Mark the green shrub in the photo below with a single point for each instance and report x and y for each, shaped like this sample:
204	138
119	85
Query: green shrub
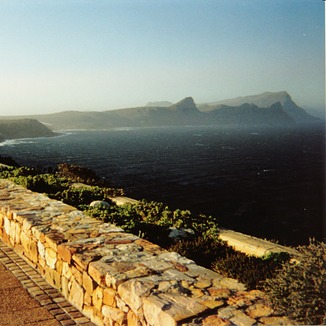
76	173
203	250
299	288
159	214
249	270
79	197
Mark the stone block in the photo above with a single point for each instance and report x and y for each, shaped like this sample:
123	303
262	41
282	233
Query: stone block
276	321
232	284
82	260
59	266
98	298
259	310
77	274
98	320
30	247
133	291
203	283
53	239
240	318
219	293
168	309
76	295
17	233
52	277
109	297
214	320
65	287
41	249
87	299
149	246
89	312
27	225
50	257
119	272
211	304
66	270
38	232
132	319
19	249
6	225
12	232
65	252
88	283
114	314
97	270
41	262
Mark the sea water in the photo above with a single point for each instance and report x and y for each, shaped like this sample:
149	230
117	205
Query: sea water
268	183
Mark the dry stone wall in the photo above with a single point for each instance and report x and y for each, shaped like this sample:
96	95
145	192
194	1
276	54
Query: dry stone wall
116	278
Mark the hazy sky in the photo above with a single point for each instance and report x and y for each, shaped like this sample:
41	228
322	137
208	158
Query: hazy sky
58	55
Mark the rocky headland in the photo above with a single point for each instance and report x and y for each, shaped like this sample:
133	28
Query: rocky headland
23	128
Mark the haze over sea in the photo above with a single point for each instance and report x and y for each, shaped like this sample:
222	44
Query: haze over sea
267	183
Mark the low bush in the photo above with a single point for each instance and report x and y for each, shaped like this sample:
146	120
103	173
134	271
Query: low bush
218	256
203	250
250	270
298	290
152	220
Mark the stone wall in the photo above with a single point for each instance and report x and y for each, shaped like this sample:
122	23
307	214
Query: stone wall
116	278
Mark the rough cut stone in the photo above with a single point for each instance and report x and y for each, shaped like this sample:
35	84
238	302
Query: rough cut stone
98	298
219	292
76	295
50	257
109	297
133	291
41	249
215	321
240	318
167	309
88	283
97	270
65	252
259	310
276	321
114	314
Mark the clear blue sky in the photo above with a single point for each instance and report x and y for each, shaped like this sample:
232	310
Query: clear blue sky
58	55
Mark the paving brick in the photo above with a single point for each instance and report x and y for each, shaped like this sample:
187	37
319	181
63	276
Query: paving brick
32	296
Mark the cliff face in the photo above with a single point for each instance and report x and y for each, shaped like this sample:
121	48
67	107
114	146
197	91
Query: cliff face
265	100
23	128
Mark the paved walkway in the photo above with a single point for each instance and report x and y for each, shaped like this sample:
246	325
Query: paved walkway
27	299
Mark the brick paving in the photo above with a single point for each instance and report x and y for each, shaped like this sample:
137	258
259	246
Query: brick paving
27	299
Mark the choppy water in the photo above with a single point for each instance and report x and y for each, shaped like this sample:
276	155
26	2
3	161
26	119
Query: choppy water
268	184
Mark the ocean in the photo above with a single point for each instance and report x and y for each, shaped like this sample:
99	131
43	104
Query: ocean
267	183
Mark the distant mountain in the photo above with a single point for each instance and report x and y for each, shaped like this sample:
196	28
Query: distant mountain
186	105
247	115
263	110
265	100
163	104
23	128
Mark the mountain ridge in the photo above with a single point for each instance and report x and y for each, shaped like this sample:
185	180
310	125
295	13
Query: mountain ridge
264	100
237	113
